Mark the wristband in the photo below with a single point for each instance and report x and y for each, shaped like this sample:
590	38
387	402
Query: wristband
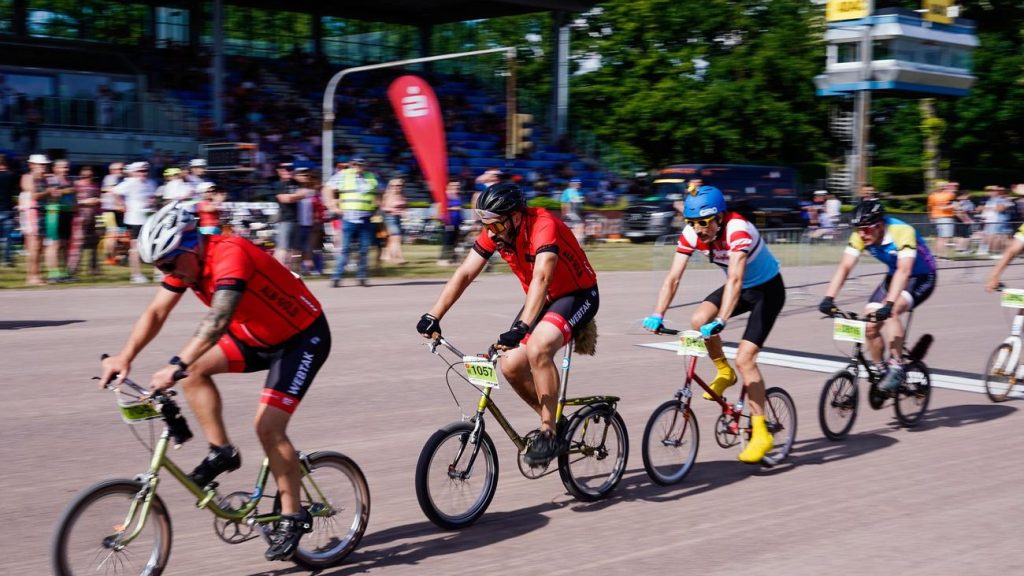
177	361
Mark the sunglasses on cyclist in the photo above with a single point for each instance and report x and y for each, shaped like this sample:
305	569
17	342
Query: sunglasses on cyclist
702	222
170	264
497	226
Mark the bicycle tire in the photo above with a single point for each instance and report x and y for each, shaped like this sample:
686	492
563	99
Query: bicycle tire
65	561
780	418
913	395
588	434
674	441
839	399
431	496
350	499
999	381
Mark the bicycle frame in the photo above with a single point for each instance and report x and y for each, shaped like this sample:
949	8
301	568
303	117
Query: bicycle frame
733	411
486	403
205	498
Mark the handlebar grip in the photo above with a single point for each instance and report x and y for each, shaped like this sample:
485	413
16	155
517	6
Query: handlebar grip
669	331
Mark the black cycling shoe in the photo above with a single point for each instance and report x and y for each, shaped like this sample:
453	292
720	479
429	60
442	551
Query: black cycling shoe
284	540
543	449
220	459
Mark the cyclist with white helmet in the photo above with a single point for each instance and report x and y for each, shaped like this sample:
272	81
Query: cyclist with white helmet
753	284
262	317
909	281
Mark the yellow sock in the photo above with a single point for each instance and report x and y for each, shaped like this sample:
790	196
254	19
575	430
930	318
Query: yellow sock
760	442
726	377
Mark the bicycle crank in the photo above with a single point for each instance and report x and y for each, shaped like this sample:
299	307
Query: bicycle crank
726	433
228	530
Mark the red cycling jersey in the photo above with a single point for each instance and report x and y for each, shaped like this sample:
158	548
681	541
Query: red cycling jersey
543	232
275	304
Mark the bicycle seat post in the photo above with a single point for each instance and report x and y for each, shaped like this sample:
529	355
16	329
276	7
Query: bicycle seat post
563	384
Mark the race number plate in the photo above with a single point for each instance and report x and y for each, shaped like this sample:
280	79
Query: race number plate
138	412
480	371
691	343
846	330
1013	298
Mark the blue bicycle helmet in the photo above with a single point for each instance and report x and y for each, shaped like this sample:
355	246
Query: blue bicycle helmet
706	201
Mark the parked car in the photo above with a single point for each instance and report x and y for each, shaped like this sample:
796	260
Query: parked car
766	195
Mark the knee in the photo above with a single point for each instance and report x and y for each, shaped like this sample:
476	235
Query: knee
268	432
746	363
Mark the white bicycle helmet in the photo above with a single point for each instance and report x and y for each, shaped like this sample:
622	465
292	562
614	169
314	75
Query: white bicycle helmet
166	231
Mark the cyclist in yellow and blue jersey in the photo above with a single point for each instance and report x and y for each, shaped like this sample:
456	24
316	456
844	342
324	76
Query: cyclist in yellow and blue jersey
909	282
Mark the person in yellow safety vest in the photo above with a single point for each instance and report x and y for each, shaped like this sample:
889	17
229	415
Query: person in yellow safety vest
358	198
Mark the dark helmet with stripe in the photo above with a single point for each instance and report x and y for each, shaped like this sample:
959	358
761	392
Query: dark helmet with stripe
501	199
868	212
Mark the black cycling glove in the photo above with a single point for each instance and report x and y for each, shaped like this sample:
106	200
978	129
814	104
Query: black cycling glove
429	326
827	306
515	335
884	312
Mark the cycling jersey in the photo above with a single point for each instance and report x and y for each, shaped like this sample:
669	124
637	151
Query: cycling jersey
900	241
736	235
275	304
542	232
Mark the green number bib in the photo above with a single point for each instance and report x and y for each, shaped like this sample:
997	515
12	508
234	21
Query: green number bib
691	343
845	330
1013	298
480	371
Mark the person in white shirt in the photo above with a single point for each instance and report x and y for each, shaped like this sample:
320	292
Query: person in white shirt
137	195
175	188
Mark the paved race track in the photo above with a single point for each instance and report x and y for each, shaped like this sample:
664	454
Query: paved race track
944	498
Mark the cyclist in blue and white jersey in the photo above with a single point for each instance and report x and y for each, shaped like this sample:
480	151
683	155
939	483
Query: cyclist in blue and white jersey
753	284
909	282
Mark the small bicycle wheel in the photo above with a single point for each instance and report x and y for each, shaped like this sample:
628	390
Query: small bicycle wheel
837	408
671	439
999	375
913	395
598	449
780	419
456	476
90	536
337	496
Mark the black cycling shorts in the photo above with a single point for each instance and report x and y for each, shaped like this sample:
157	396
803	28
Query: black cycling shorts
919	288
291	366
570	313
764	302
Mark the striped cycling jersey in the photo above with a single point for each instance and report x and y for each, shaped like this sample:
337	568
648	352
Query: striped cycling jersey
737	234
900	241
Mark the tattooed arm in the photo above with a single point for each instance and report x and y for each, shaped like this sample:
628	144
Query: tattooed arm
213	326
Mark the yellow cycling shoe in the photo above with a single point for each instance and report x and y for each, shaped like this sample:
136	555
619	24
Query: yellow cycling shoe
760	442
723	380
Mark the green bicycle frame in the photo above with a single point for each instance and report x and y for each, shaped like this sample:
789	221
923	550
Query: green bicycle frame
205	498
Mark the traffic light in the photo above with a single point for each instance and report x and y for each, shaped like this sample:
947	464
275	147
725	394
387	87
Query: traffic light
521	134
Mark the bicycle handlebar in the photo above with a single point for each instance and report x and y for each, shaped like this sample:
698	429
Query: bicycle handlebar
177	426
492	354
664	330
837	313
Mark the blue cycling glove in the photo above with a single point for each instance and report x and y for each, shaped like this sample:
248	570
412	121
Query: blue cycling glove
653	322
711	328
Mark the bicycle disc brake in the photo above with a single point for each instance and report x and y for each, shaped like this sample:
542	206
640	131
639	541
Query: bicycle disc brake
228	530
726	431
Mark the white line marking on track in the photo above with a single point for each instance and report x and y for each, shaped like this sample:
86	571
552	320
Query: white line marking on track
829	366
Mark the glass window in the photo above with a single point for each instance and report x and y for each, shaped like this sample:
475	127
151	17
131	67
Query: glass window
6	16
30	84
847	52
171	26
881	50
49	19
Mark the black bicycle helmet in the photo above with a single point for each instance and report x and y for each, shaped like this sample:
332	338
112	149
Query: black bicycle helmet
866	213
501	199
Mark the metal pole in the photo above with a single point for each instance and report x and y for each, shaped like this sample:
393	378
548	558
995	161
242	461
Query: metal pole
218	64
863	114
511	108
327	140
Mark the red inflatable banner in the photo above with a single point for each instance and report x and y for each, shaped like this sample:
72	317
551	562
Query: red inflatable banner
417	109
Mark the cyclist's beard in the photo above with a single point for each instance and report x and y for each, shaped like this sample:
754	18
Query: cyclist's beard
505	241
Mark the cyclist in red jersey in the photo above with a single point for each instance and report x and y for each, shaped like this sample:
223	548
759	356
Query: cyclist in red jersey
561	299
262	317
